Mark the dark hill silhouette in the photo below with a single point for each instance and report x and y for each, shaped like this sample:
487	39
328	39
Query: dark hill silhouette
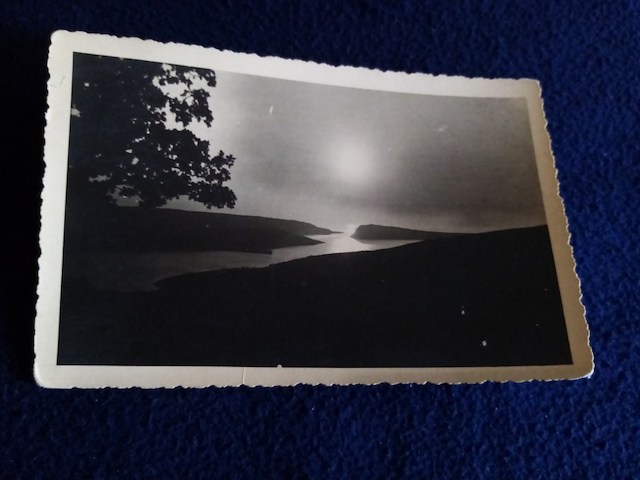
473	300
136	229
381	232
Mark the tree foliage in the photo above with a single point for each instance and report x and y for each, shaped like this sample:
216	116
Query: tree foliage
130	134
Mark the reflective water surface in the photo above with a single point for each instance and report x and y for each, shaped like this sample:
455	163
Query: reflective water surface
139	271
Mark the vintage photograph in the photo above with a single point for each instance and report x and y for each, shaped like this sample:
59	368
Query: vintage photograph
214	218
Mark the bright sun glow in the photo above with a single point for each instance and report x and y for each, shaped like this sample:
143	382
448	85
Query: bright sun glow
352	164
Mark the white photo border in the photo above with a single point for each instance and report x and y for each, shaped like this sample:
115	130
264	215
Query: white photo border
49	374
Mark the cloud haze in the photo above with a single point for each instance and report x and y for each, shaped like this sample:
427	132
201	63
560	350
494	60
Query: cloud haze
335	156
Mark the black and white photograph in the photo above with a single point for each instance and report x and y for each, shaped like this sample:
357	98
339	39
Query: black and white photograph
221	218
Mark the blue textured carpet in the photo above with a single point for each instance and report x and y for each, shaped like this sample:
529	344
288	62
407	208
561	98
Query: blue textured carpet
586	55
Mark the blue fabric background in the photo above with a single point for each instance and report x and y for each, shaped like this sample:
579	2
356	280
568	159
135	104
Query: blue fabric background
586	54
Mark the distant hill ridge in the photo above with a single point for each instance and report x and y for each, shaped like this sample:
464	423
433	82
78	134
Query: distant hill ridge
245	221
132	229
381	232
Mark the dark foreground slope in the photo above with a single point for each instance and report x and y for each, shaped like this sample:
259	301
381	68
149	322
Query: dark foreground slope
485	299
136	229
382	232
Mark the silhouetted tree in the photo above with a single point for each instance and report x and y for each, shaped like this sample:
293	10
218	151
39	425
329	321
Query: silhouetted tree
129	133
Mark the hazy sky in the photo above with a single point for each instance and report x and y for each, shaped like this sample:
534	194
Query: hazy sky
337	156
